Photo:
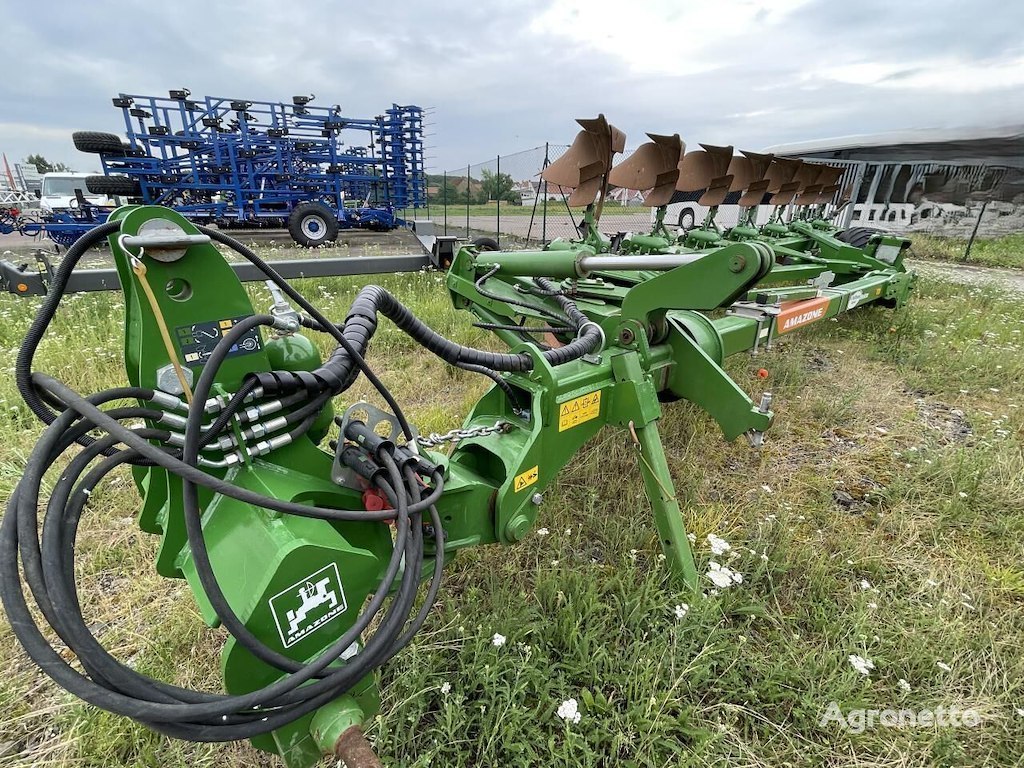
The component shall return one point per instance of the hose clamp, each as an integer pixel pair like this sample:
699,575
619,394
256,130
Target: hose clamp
600,330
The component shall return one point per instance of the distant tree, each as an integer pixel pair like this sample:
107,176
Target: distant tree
446,193
498,186
45,166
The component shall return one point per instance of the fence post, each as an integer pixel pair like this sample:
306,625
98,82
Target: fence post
445,193
468,189
544,215
497,183
974,234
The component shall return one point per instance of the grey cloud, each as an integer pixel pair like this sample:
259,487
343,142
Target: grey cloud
495,86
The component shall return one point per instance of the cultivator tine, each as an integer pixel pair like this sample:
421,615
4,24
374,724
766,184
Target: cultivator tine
585,165
654,166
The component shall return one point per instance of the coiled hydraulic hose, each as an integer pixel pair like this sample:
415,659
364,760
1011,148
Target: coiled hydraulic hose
46,553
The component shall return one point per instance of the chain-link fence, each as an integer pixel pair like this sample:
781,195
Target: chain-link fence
507,200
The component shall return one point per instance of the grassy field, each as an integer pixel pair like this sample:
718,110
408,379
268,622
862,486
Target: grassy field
1006,251
884,519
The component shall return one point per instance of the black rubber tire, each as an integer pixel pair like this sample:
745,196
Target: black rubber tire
313,224
486,244
687,219
858,236
97,142
113,185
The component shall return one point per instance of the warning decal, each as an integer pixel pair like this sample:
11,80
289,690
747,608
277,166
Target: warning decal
197,341
527,478
578,410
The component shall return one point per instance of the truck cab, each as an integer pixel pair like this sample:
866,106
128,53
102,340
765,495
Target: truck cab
58,192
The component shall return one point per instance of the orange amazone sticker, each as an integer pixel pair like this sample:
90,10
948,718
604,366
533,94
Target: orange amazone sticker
801,313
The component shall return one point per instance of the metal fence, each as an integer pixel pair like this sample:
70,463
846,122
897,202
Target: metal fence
506,199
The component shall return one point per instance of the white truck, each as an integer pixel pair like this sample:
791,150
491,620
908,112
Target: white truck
58,192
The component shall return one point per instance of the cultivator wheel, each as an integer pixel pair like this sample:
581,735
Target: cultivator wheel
313,224
97,143
113,185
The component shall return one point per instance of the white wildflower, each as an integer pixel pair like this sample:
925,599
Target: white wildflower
681,610
542,531
498,640
903,684
446,687
569,710
722,576
719,546
865,585
862,665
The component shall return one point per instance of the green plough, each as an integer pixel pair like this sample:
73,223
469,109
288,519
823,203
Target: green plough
297,545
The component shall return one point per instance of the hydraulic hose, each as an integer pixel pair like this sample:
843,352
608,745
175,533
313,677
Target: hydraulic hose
46,552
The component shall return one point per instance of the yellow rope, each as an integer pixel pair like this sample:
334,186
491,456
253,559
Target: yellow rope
140,272
640,453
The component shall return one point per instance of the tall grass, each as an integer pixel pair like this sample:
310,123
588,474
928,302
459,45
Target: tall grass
884,518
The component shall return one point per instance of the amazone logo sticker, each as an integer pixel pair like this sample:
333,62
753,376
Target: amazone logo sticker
856,298
307,605
526,479
801,313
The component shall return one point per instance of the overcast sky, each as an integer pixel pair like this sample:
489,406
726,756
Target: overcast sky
502,77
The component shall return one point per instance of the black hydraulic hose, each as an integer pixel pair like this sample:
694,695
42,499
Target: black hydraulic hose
523,328
47,553
153,717
225,416
499,382
354,353
54,294
541,310
373,299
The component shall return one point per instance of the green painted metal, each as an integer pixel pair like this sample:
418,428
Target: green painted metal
660,344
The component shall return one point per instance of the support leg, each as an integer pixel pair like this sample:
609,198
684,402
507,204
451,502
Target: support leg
661,493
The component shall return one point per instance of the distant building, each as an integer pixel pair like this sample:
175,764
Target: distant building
902,178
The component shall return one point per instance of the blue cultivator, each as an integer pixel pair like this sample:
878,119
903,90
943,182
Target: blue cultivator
238,162
62,227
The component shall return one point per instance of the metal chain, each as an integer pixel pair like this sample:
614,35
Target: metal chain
455,435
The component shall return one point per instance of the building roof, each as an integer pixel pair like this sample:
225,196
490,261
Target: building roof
991,145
